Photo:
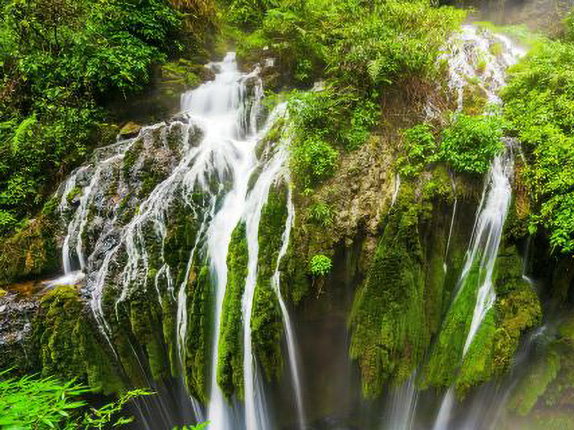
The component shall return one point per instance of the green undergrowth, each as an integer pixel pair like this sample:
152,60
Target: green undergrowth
539,99
467,145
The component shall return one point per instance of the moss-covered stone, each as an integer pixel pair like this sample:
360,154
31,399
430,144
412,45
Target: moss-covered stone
266,322
199,329
68,345
230,359
32,252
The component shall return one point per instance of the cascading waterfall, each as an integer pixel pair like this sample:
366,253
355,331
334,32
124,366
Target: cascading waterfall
289,333
402,406
220,166
467,49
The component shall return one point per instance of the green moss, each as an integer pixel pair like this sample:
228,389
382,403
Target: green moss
131,157
388,324
266,323
31,252
516,310
198,346
68,346
447,351
230,359
535,383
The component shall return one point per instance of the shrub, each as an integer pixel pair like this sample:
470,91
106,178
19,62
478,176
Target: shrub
539,101
420,149
313,160
320,265
471,142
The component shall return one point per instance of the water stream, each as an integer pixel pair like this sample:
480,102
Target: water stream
221,166
467,50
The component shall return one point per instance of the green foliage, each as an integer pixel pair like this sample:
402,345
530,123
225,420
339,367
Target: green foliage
321,213
60,60
42,404
539,102
471,142
313,160
320,265
420,149
324,121
358,49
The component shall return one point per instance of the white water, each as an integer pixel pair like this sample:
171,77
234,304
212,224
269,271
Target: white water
290,336
467,51
219,166
487,236
402,406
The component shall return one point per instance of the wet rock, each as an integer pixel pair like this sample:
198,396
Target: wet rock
131,129
18,306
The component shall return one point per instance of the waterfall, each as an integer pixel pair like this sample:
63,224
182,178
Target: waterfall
466,50
215,158
402,406
290,335
487,235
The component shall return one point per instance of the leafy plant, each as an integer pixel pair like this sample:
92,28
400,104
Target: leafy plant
539,101
321,213
420,149
30,403
471,142
320,265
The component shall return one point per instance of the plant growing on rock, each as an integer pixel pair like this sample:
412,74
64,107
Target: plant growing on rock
320,265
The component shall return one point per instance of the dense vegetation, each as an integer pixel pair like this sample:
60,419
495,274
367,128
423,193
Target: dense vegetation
60,61
357,50
539,105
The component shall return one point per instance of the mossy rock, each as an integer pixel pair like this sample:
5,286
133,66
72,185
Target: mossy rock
230,359
130,129
32,252
68,345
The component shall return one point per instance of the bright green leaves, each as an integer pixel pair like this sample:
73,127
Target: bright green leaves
324,122
471,142
44,404
313,160
320,265
467,146
539,105
419,150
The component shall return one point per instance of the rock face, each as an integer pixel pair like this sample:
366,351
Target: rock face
18,308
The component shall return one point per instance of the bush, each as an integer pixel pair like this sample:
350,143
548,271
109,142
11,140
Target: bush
313,160
420,149
539,101
320,265
471,142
